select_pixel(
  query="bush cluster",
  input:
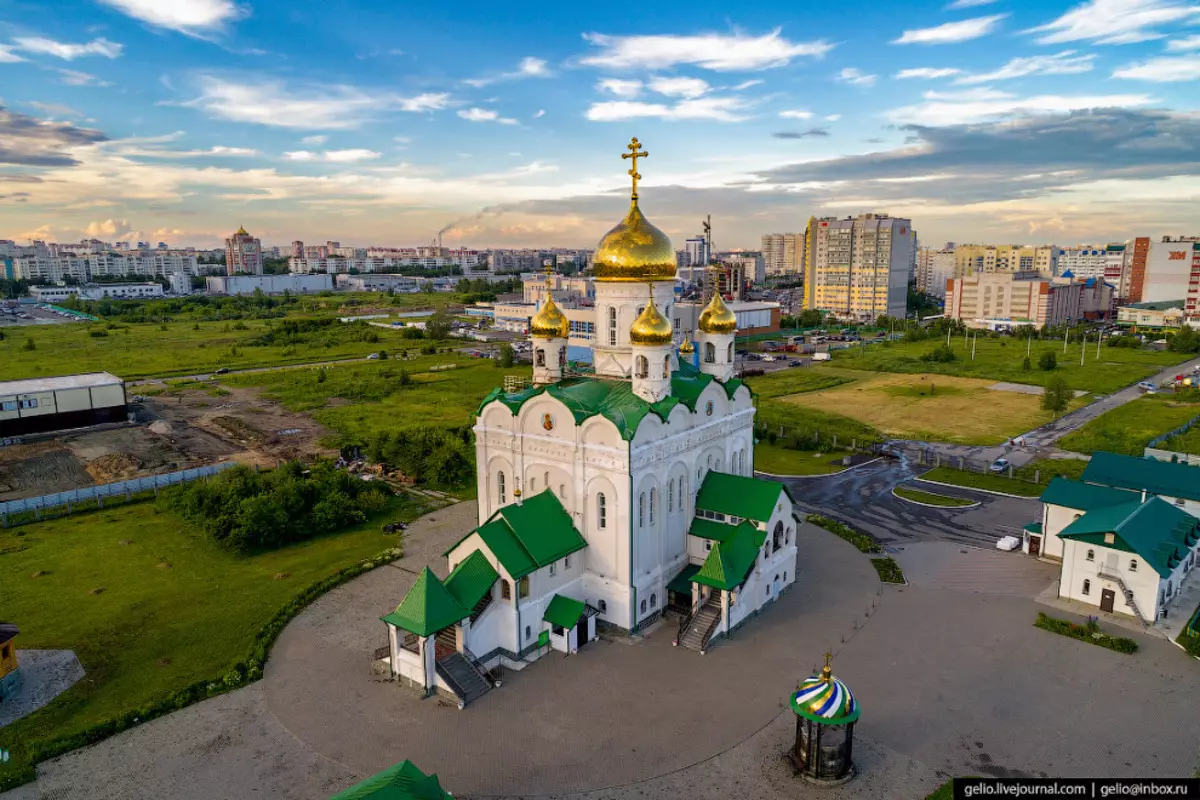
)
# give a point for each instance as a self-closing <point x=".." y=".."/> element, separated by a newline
<point x="862" y="541"/>
<point x="437" y="456"/>
<point x="327" y="332"/>
<point x="1089" y="633"/>
<point x="246" y="510"/>
<point x="939" y="355"/>
<point x="889" y="571"/>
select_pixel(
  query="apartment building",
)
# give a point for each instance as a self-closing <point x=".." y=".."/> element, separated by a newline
<point x="988" y="258"/>
<point x="1167" y="270"/>
<point x="934" y="266"/>
<point x="243" y="254"/>
<point x="1002" y="300"/>
<point x="783" y="254"/>
<point x="857" y="268"/>
<point x="85" y="266"/>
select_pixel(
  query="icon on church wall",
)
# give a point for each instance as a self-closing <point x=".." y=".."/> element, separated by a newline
<point x="708" y="408"/>
<point x="548" y="422"/>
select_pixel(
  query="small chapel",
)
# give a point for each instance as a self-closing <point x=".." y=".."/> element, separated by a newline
<point x="609" y="496"/>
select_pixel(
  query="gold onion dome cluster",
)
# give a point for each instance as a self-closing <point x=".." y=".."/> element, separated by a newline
<point x="549" y="322"/>
<point x="635" y="250"/>
<point x="716" y="317"/>
<point x="651" y="327"/>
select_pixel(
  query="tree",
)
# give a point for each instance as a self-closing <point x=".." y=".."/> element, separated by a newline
<point x="1185" y="340"/>
<point x="438" y="326"/>
<point x="1025" y="366"/>
<point x="29" y="345"/>
<point x="507" y="356"/>
<point x="1047" y="361"/>
<point x="1057" y="395"/>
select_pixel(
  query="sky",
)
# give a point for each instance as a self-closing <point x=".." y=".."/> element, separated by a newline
<point x="376" y="122"/>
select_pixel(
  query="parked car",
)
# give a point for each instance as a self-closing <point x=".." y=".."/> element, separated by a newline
<point x="999" y="465"/>
<point x="1008" y="543"/>
<point x="222" y="371"/>
<point x="373" y="356"/>
<point x="1145" y="386"/>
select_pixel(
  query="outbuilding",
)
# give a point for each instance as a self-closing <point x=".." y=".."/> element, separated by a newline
<point x="36" y="405"/>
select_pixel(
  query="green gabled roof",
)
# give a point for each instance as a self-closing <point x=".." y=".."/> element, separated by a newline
<point x="1156" y="477"/>
<point x="709" y="529"/>
<point x="730" y="561"/>
<point x="682" y="582"/>
<point x="739" y="496"/>
<point x="1156" y="530"/>
<point x="615" y="400"/>
<point x="404" y="781"/>
<point x="563" y="611"/>
<point x="427" y="608"/>
<point x="1083" y="496"/>
<point x="471" y="579"/>
<point x="528" y="536"/>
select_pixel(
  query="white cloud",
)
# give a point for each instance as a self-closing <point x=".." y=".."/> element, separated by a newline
<point x="927" y="72"/>
<point x="746" y="85"/>
<point x="322" y="139"/>
<point x="1116" y="21"/>
<point x="976" y="105"/>
<point x="1162" y="70"/>
<point x="796" y="114"/>
<point x="958" y="4"/>
<point x="55" y="109"/>
<point x="679" y="87"/>
<point x="541" y="112"/>
<point x="269" y="102"/>
<point x="192" y="17"/>
<point x="68" y="52"/>
<point x="529" y="67"/>
<point x="1064" y="63"/>
<point x="301" y="155"/>
<point x="108" y="228"/>
<point x="832" y="117"/>
<point x="719" y="109"/>
<point x="534" y="67"/>
<point x="621" y="88"/>
<point x="856" y="77"/>
<point x="720" y="52"/>
<point x="485" y="115"/>
<point x="72" y="78"/>
<point x="7" y="56"/>
<point x="1177" y="45"/>
<point x="961" y="31"/>
<point x="350" y="156"/>
<point x="148" y="148"/>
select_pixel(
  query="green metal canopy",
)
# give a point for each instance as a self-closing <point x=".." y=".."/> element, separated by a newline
<point x="564" y="611"/>
<point x="427" y="608"/>
<point x="1083" y="496"/>
<point x="404" y="781"/>
<point x="682" y="583"/>
<point x="739" y="496"/>
<point x="730" y="561"/>
<point x="471" y="580"/>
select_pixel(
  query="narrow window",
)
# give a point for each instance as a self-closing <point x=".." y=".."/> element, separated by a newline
<point x="1091" y="555"/>
<point x="729" y="358"/>
<point x="670" y="496"/>
<point x="553" y="569"/>
<point x="532" y="485"/>
<point x="642" y="370"/>
<point x="710" y="353"/>
<point x="540" y="358"/>
<point x="523" y="587"/>
<point x="653" y="503"/>
<point x="666" y="366"/>
<point x="528" y="633"/>
<point x="602" y="510"/>
<point x="500" y="488"/>
<point x="681" y="493"/>
<point x="567" y="562"/>
<point x="612" y="325"/>
<point x="603" y="606"/>
<point x="505" y="590"/>
<point x="1087" y="586"/>
<point x="1133" y="565"/>
<point x="653" y="601"/>
<point x="643" y="606"/>
<point x="562" y="491"/>
<point x="546" y="478"/>
<point x="641" y="509"/>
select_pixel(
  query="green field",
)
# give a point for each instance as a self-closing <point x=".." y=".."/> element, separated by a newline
<point x="1001" y="359"/>
<point x="930" y="499"/>
<point x="1023" y="481"/>
<point x="1129" y="428"/>
<point x="781" y="461"/>
<point x="150" y="605"/>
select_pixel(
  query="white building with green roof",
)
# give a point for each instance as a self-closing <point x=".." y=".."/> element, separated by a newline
<point x="605" y="497"/>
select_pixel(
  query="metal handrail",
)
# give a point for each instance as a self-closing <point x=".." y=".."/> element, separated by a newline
<point x="445" y="675"/>
<point x="475" y="665"/>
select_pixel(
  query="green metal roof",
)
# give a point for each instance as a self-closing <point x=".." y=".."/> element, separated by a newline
<point x="563" y="611"/>
<point x="1156" y="477"/>
<point x="528" y="536"/>
<point x="730" y="561"/>
<point x="1159" y="532"/>
<point x="739" y="496"/>
<point x="682" y="583"/>
<point x="427" y="608"/>
<point x="709" y="529"/>
<point x="615" y="400"/>
<point x="404" y="781"/>
<point x="471" y="579"/>
<point x="1033" y="527"/>
<point x="1083" y="496"/>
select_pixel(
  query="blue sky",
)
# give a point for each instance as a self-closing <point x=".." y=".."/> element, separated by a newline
<point x="379" y="122"/>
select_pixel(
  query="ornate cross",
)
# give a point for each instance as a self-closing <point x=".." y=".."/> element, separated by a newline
<point x="828" y="658"/>
<point x="634" y="147"/>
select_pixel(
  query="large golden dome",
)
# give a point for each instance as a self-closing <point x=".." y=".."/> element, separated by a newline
<point x="635" y="250"/>
<point x="716" y="316"/>
<point x="549" y="322"/>
<point x="651" y="327"/>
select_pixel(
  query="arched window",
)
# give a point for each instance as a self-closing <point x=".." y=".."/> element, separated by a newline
<point x="698" y="474"/>
<point x="505" y="590"/>
<point x="562" y="491"/>
<point x="1133" y="565"/>
<point x="1087" y="586"/>
<point x="612" y="325"/>
<point x="601" y="510"/>
<point x="745" y="466"/>
<point x="500" y="493"/>
<point x="730" y="356"/>
<point x="643" y="605"/>
<point x="653" y="503"/>
<point x="708" y="463"/>
<point x="667" y="365"/>
<point x="710" y="353"/>
<point x="670" y="496"/>
<point x="641" y="367"/>
<point x="528" y="633"/>
<point x="681" y="508"/>
<point x="785" y="577"/>
<point x="546" y="479"/>
<point x="539" y="358"/>
<point x="642" y="509"/>
<point x="562" y="357"/>
<point x="1091" y="555"/>
<point x="603" y="606"/>
<point x="653" y="601"/>
<point x="777" y="536"/>
<point x="532" y="485"/>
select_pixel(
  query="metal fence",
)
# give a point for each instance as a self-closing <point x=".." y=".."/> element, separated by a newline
<point x="49" y="502"/>
<point x="1182" y="429"/>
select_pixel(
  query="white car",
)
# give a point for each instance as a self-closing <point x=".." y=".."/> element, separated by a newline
<point x="1008" y="543"/>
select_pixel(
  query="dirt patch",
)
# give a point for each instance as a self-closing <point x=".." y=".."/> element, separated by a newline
<point x="29" y="470"/>
<point x="112" y="467"/>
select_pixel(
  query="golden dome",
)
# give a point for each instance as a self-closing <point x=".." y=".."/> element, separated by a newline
<point x="651" y="327"/>
<point x="549" y="322"/>
<point x="635" y="250"/>
<point x="716" y="316"/>
<point x="687" y="348"/>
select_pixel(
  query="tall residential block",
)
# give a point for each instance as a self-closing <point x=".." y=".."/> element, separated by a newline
<point x="857" y="268"/>
<point x="933" y="268"/>
<point x="1169" y="270"/>
<point x="243" y="254"/>
<point x="783" y="253"/>
<point x="988" y="258"/>
<point x="1005" y="300"/>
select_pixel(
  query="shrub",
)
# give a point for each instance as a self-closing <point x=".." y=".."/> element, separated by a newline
<point x="1089" y="633"/>
<point x="1057" y="395"/>
<point x="29" y="345"/>
<point x="98" y="333"/>
<point x="939" y="355"/>
<point x="889" y="571"/>
<point x="1047" y="361"/>
<point x="438" y="456"/>
<point x="1025" y="365"/>
<point x="409" y="332"/>
<point x="862" y="541"/>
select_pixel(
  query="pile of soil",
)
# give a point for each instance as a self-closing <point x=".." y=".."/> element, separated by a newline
<point x="113" y="467"/>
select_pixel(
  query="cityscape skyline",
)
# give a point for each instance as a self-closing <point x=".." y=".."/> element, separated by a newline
<point x="130" y="121"/>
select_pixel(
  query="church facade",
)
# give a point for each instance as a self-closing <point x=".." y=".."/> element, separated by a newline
<point x="608" y="496"/>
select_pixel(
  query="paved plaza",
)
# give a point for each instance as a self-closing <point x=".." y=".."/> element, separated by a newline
<point x="951" y="675"/>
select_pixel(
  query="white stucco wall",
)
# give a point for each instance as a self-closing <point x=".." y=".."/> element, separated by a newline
<point x="1143" y="582"/>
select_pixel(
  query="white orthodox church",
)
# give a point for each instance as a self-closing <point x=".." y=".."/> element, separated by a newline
<point x="609" y="497"/>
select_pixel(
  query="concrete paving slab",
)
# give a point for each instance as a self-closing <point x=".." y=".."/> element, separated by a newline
<point x="45" y="674"/>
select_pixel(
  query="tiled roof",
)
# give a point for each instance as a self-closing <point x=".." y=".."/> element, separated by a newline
<point x="427" y="608"/>
<point x="739" y="496"/>
<point x="1156" y="477"/>
<point x="1156" y="530"/>
<point x="563" y="611"/>
<point x="404" y="781"/>
<point x="528" y="536"/>
<point x="1083" y="496"/>
<point x="730" y="561"/>
<point x="471" y="579"/>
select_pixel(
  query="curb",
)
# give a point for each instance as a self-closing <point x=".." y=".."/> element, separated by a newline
<point x="973" y="489"/>
<point x="822" y="475"/>
<point x="970" y="504"/>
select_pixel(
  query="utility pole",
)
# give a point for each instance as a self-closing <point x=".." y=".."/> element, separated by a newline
<point x="974" y="342"/>
<point x="948" y="336"/>
<point x="1029" y="344"/>
<point x="1099" y="339"/>
<point x="1065" y="335"/>
<point x="1082" y="349"/>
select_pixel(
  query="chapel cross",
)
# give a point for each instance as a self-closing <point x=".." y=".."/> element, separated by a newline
<point x="828" y="658"/>
<point x="634" y="147"/>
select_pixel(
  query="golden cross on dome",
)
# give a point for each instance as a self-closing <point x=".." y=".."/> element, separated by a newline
<point x="828" y="658"/>
<point x="634" y="147"/>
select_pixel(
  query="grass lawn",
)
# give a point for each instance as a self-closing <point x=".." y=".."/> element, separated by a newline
<point x="1188" y="442"/>
<point x="782" y="461"/>
<point x="937" y="408"/>
<point x="1130" y="428"/>
<point x="794" y="381"/>
<point x="1023" y="480"/>
<point x="174" y="608"/>
<point x="1001" y="359"/>
<point x="930" y="499"/>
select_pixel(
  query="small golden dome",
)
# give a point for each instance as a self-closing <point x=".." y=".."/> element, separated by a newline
<point x="635" y="250"/>
<point x="716" y="316"/>
<point x="651" y="327"/>
<point x="549" y="322"/>
<point x="687" y="348"/>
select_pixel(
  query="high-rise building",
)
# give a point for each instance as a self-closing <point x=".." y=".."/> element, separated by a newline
<point x="297" y="249"/>
<point x="858" y="267"/>
<point x="1006" y="300"/>
<point x="243" y="254"/>
<point x="1171" y="271"/>
<point x="697" y="251"/>
<point x="933" y="268"/>
<point x="1137" y="269"/>
<point x="783" y="253"/>
<point x="972" y="258"/>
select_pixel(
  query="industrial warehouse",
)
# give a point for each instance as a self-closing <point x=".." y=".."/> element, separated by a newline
<point x="36" y="405"/>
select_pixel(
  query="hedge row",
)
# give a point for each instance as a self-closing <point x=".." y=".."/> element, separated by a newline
<point x="21" y="769"/>
<point x="862" y="541"/>
<point x="1089" y="633"/>
<point x="889" y="571"/>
